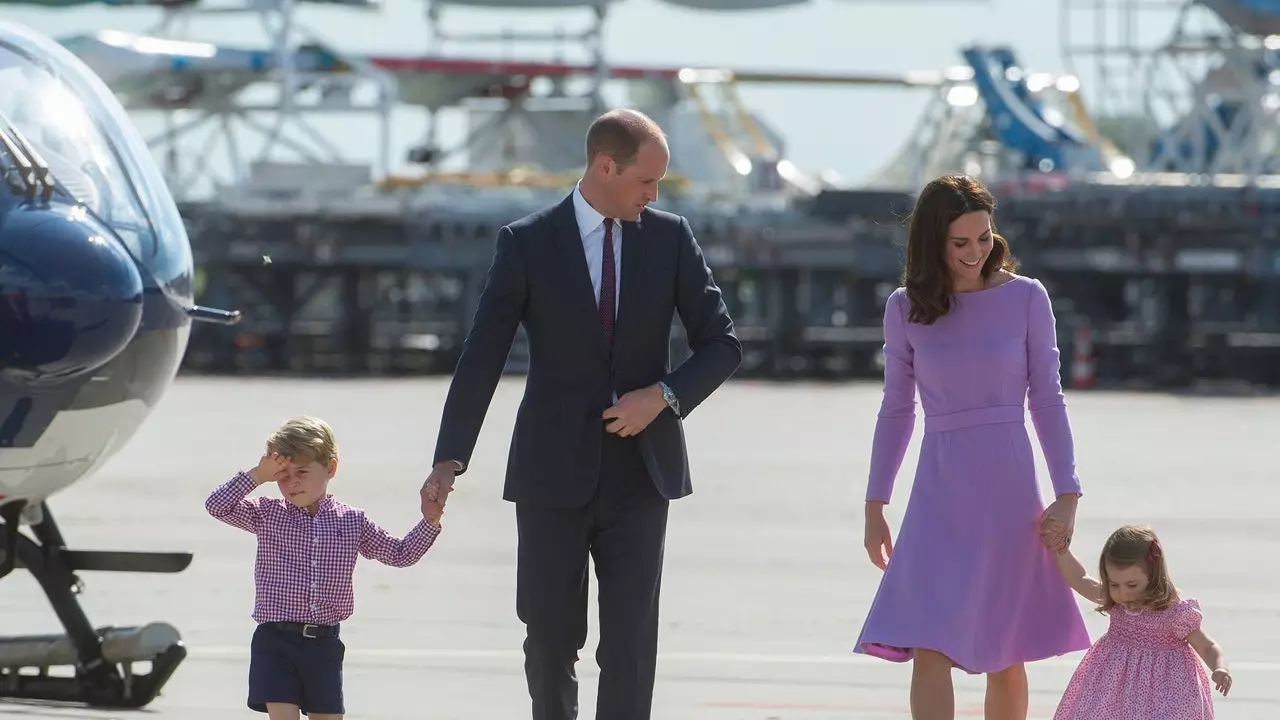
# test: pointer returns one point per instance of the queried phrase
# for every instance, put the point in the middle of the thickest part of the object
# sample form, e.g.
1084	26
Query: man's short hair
304	439
618	134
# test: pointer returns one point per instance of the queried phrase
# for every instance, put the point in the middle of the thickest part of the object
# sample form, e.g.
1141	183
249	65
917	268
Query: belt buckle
306	627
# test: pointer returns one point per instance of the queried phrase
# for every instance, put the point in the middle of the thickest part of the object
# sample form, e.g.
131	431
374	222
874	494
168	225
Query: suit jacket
539	278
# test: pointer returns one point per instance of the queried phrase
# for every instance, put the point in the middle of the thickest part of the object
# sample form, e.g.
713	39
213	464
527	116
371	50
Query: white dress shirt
591	230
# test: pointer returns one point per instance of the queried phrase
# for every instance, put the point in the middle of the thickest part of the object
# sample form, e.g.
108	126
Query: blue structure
1220	132
1019	120
1251	17
1197	142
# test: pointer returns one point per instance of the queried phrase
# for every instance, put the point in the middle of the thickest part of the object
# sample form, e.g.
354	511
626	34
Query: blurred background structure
1138	181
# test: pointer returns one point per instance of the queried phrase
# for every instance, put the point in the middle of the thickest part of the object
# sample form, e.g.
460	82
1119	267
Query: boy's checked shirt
304	565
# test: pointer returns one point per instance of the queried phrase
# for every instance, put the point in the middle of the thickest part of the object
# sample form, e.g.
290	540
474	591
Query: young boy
307	547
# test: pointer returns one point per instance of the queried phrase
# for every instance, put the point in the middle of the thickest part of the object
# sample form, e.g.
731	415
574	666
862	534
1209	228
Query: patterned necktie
608	280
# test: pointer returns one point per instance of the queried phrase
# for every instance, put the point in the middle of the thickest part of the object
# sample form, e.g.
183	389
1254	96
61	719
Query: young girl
1144	667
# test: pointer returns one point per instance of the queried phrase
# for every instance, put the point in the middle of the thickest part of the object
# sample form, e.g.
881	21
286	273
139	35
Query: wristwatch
670	397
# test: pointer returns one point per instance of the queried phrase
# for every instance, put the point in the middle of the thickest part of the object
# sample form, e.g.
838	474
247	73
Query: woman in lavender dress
971	583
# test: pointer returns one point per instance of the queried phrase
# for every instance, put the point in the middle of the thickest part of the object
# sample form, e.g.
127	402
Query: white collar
588	218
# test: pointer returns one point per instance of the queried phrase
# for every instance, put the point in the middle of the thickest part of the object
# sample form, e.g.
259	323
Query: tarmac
766	582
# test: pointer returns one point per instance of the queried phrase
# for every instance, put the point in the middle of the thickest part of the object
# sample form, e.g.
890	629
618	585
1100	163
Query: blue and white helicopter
96	305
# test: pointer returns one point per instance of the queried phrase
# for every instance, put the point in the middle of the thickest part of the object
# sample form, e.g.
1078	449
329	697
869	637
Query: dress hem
897	654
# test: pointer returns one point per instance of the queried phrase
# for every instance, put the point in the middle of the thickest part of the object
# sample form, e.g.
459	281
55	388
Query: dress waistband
978	416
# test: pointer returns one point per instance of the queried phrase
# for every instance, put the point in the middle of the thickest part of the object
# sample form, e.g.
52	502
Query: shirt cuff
426	530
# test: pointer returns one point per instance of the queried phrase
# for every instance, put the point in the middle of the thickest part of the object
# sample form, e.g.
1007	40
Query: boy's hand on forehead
273	467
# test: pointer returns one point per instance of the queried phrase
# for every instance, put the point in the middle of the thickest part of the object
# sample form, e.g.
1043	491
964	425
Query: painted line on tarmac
226	652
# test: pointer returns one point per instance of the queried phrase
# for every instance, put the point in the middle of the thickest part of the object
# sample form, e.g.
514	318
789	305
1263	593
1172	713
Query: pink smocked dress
1142	668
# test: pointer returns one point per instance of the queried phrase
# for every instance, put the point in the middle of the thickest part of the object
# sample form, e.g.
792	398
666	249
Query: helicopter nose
70	294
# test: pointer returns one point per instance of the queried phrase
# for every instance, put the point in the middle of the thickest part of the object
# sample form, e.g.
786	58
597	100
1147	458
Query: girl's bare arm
1088	588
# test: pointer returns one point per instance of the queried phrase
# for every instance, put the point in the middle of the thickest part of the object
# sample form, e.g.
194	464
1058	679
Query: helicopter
96	307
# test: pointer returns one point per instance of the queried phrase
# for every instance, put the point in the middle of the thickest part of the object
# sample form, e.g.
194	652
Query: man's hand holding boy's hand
432	512
273	467
435	491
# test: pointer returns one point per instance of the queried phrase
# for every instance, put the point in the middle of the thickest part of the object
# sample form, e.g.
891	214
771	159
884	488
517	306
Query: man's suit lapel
573	259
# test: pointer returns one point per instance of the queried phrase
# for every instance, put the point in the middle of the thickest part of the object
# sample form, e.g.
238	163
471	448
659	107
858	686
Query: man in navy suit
598	449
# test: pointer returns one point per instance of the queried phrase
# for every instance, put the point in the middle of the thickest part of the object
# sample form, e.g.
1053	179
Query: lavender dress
969	577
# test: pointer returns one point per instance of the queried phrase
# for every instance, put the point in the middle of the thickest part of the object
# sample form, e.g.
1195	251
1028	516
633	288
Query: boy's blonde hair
304	439
1137	545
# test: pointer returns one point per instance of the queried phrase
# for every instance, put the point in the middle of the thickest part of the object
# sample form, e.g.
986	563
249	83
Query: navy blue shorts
286	667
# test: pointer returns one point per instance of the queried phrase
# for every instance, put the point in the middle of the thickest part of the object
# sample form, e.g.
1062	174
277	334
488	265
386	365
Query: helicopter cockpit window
58	124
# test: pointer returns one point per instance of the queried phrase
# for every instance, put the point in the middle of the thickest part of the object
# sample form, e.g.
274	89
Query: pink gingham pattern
304	564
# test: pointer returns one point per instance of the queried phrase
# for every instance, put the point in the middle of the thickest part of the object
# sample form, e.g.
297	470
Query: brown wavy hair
1137	545
925	276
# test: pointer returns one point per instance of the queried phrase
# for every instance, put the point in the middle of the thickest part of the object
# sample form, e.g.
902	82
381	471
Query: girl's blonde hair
1137	545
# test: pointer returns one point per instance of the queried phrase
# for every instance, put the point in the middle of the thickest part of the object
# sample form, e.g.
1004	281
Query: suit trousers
623	529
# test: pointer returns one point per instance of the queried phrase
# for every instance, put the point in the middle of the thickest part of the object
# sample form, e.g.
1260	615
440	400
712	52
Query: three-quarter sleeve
1045	401
897	417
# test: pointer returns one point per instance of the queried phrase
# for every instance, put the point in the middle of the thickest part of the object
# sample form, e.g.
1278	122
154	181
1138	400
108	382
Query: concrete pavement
766	583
